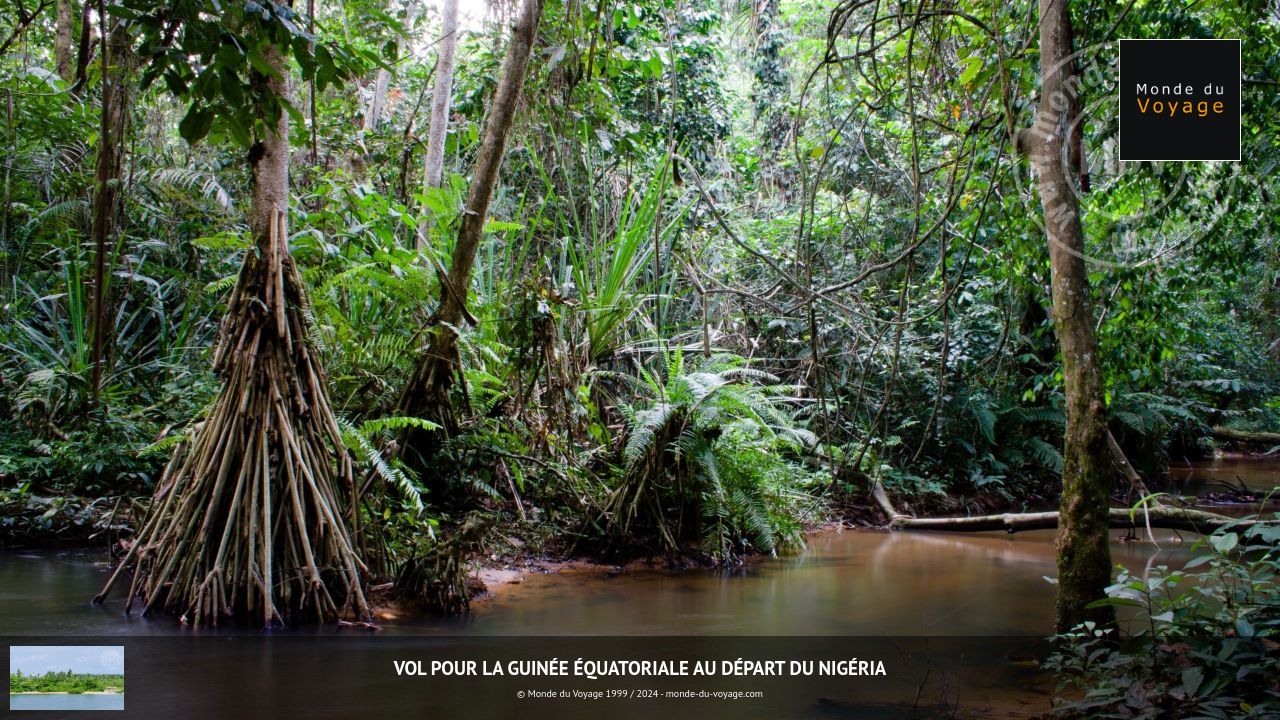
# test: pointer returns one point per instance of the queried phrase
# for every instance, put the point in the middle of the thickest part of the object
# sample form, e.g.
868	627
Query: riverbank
499	576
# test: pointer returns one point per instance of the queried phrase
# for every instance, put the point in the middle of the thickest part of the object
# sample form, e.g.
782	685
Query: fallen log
1243	436
1168	518
1152	515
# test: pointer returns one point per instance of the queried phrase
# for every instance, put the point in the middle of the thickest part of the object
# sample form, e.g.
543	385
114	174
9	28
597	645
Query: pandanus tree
255	514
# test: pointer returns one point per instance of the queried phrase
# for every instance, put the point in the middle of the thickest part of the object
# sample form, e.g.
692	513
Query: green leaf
654	66
229	56
175	83
972	66
1197	561
195	125
305	55
494	226
1192	679
1115	602
436	199
259	63
1224	543
229	83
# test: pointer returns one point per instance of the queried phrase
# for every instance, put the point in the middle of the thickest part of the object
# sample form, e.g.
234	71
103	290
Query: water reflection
1223	472
853	582
847	583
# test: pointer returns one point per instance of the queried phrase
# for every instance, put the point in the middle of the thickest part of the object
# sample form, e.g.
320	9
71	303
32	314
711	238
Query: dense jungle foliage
744	262
64	682
1203	644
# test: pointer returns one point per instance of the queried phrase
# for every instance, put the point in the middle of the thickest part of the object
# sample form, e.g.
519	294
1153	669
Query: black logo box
1187	68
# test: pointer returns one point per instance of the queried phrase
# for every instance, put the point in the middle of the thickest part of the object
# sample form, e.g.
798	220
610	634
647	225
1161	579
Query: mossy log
1243	436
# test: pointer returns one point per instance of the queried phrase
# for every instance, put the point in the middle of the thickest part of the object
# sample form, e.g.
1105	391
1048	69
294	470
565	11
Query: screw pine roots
251	517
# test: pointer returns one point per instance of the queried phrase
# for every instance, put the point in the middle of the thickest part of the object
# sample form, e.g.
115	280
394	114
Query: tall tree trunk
1271	305
269	164
64	25
441	101
1084	556
373	111
441	95
382	82
256	515
427	393
116	57
84	48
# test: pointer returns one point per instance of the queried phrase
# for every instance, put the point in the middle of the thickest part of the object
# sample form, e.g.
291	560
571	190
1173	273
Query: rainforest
640	318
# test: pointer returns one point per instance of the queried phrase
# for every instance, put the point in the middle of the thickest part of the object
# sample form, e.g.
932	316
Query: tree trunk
269	163
770	91
441	101
373	111
382	82
1084	558
84	49
64	24
1136	485
442	95
427	393
255	517
116	57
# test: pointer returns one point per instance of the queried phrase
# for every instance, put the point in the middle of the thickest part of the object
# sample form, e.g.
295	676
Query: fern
164	446
1134	421
361	442
369	428
221	285
188	179
712	435
54	218
1026	415
985	418
1045	454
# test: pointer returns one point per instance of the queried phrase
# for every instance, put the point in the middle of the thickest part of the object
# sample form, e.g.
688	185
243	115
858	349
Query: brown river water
970	588
1215	474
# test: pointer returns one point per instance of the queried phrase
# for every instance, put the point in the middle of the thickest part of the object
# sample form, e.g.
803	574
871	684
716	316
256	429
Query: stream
854	582
851	583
